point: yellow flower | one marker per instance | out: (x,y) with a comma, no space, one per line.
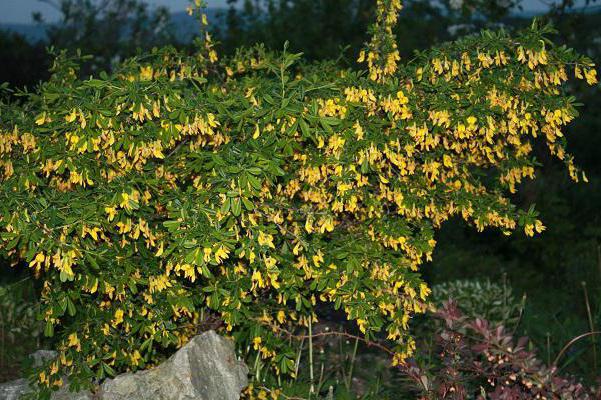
(257,280)
(361,57)
(281,317)
(447,161)
(270,262)
(135,358)
(539,227)
(358,130)
(124,199)
(118,318)
(71,116)
(424,291)
(157,284)
(361,322)
(398,359)
(207,254)
(309,224)
(41,119)
(37,261)
(591,76)
(221,253)
(43,378)
(159,251)
(146,73)
(73,341)
(266,240)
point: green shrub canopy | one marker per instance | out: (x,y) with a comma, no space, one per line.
(182,189)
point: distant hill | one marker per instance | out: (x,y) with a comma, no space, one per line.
(185,27)
(32,32)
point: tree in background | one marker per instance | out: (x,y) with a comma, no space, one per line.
(21,63)
(320,28)
(111,30)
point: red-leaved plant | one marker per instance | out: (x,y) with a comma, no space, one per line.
(474,360)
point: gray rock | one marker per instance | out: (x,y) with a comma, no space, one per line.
(65,394)
(206,368)
(40,357)
(14,390)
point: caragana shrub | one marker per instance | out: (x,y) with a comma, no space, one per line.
(181,189)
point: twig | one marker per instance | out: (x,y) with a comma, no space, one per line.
(590,324)
(177,147)
(298,358)
(369,343)
(350,372)
(571,342)
(312,388)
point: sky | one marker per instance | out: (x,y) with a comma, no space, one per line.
(19,11)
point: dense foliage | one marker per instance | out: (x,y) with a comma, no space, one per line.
(181,190)
(485,300)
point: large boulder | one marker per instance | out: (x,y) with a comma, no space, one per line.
(206,368)
(13,390)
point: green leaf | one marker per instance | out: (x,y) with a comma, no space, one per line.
(49,329)
(172,225)
(71,307)
(225,207)
(236,206)
(109,370)
(304,128)
(248,204)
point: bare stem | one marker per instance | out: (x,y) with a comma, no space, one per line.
(350,371)
(571,342)
(312,388)
(590,324)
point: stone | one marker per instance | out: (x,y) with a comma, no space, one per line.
(14,390)
(65,394)
(40,357)
(206,368)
